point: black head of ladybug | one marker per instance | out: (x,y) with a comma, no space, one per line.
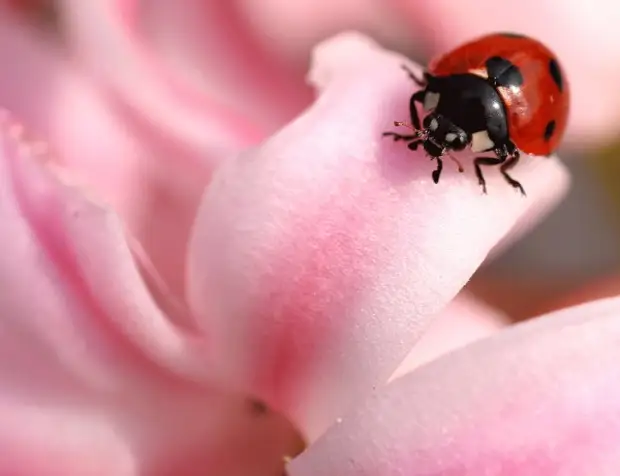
(441,135)
(462,110)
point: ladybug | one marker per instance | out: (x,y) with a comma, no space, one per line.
(502,93)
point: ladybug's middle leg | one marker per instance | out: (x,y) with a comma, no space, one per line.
(500,159)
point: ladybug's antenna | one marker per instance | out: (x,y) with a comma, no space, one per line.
(404,124)
(421,133)
(408,125)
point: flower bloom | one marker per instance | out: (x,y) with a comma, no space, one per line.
(166,262)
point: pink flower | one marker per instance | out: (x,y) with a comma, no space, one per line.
(162,269)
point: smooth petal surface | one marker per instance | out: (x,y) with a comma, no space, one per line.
(318,258)
(189,56)
(464,320)
(575,30)
(539,399)
(152,179)
(292,29)
(94,379)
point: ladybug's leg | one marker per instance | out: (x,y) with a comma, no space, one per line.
(414,145)
(420,82)
(500,159)
(507,165)
(398,136)
(437,171)
(417,97)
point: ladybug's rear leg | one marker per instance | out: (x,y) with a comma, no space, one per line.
(419,81)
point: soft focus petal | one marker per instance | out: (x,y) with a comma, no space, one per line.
(94,380)
(465,320)
(540,399)
(318,258)
(584,35)
(601,287)
(152,180)
(292,29)
(188,55)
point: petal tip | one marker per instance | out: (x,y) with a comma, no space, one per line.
(339,52)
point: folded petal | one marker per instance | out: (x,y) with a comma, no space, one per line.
(464,320)
(152,178)
(318,258)
(540,398)
(94,378)
(189,55)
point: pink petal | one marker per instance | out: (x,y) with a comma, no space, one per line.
(318,258)
(465,320)
(292,29)
(590,66)
(190,55)
(153,180)
(539,399)
(94,379)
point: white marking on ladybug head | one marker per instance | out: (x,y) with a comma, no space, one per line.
(480,141)
(431,100)
(433,125)
(450,136)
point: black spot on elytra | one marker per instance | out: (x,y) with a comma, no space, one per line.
(549,130)
(508,34)
(556,74)
(502,72)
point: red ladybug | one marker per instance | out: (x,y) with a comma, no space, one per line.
(501,93)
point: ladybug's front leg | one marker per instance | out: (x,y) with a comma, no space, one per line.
(437,172)
(486,161)
(417,97)
(398,136)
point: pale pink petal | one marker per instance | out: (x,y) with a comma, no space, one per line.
(292,29)
(94,379)
(153,180)
(318,258)
(540,399)
(187,55)
(584,36)
(465,320)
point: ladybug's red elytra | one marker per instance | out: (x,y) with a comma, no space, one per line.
(502,93)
